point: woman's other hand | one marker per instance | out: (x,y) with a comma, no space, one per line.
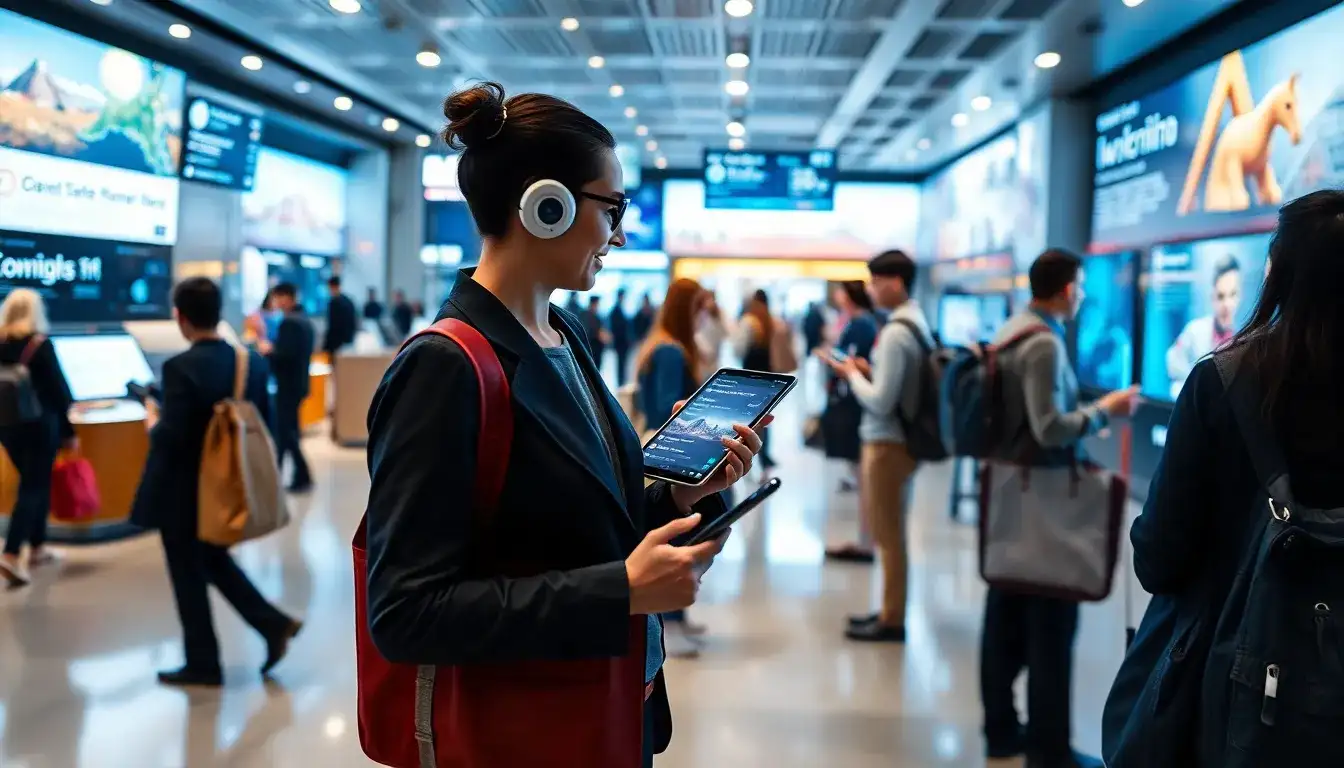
(664,577)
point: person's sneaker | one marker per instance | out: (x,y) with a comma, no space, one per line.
(43,557)
(186,676)
(859,620)
(877,632)
(14,574)
(278,645)
(677,644)
(300,488)
(850,553)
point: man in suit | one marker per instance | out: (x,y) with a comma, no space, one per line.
(373,308)
(595,329)
(290,355)
(341,320)
(618,323)
(193,382)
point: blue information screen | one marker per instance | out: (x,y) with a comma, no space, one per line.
(222,144)
(792,181)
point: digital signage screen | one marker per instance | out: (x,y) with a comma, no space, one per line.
(296,205)
(959,323)
(1198,296)
(1218,152)
(90,137)
(83,280)
(802,181)
(1105,322)
(222,143)
(643,222)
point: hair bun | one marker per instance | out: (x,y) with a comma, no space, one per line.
(475,115)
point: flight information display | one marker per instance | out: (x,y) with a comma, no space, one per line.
(796,181)
(222,144)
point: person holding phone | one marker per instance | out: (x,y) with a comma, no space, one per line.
(545,190)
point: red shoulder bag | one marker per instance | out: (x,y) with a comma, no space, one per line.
(524,714)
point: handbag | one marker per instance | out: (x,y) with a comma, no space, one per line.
(74,489)
(1050,531)
(585,713)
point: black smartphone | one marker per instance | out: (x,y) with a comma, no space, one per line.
(712,529)
(141,392)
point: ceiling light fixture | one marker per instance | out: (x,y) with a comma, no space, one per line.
(961,120)
(641,130)
(345,6)
(981,103)
(651,145)
(1048,60)
(616,91)
(738,8)
(180,31)
(102,2)
(343,103)
(302,86)
(738,60)
(422,141)
(1133,3)
(428,57)
(631,112)
(736,87)
(569,24)
(251,62)
(661,163)
(736,144)
(391,124)
(923,144)
(597,62)
(736,129)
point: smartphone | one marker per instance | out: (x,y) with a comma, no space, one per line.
(689,448)
(708,530)
(839,355)
(141,392)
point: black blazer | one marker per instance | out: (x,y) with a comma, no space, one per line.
(341,323)
(48,381)
(192,383)
(564,509)
(290,357)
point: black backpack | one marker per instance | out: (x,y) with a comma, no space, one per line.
(923,430)
(18,399)
(1274,683)
(971,396)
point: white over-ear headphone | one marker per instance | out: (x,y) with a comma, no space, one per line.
(547,209)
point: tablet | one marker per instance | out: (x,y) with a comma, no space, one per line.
(712,529)
(98,366)
(688,449)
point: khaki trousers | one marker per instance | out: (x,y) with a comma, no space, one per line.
(885,470)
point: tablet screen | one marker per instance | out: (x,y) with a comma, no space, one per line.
(99,367)
(689,447)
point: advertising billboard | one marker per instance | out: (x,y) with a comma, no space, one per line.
(296,205)
(83,280)
(1105,322)
(90,137)
(1217,152)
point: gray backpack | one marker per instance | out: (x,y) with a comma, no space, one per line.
(18,399)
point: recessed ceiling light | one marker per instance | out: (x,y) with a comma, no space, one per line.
(736,87)
(661,162)
(101,2)
(736,144)
(428,57)
(737,8)
(631,111)
(345,6)
(981,103)
(651,145)
(251,62)
(569,24)
(180,31)
(597,62)
(736,129)
(923,144)
(391,124)
(961,120)
(302,86)
(1133,3)
(343,103)
(1048,60)
(616,91)
(738,60)
(422,140)
(641,130)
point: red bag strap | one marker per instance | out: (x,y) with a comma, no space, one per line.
(30,348)
(495,439)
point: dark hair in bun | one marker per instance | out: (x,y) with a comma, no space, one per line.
(507,144)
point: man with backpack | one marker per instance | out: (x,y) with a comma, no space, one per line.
(1039,422)
(888,389)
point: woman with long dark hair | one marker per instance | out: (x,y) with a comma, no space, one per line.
(1282,379)
(548,595)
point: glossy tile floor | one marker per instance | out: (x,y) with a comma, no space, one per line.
(776,686)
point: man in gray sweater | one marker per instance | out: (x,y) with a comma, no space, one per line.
(886,388)
(1044,424)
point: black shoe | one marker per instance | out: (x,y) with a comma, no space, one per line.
(876,632)
(194,677)
(301,487)
(278,645)
(867,618)
(850,553)
(1009,750)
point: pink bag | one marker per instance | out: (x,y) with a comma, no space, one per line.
(74,490)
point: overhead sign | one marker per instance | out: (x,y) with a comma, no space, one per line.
(801,181)
(222,144)
(84,280)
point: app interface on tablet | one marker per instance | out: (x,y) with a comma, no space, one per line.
(692,444)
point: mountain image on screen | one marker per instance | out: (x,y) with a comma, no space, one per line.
(701,428)
(125,122)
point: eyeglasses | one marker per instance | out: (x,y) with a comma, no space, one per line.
(615,214)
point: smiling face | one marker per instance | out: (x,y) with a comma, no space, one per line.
(574,259)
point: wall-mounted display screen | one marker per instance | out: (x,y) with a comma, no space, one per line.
(264,269)
(98,367)
(959,323)
(1105,324)
(790,181)
(438,175)
(1219,151)
(643,222)
(90,137)
(296,204)
(222,143)
(867,219)
(1198,296)
(88,281)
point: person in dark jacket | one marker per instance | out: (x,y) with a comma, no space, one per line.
(342,322)
(193,382)
(373,308)
(402,314)
(596,330)
(574,507)
(618,325)
(642,321)
(1205,507)
(290,356)
(32,446)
